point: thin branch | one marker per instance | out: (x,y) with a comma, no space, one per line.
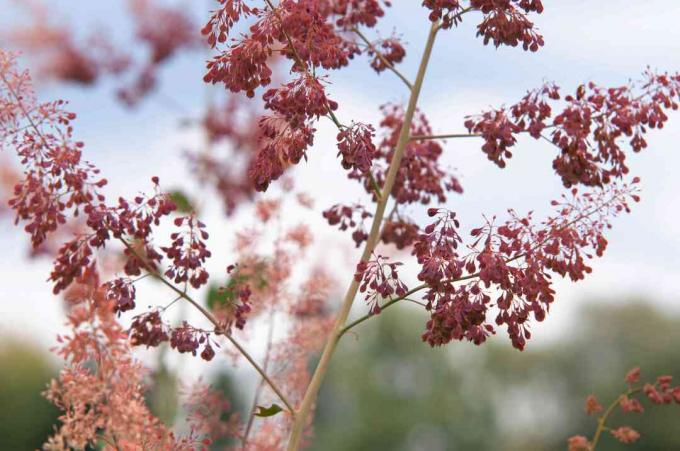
(601,422)
(382,58)
(449,136)
(219,327)
(258,391)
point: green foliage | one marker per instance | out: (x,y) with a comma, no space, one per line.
(394,392)
(226,295)
(182,201)
(162,397)
(268,411)
(26,418)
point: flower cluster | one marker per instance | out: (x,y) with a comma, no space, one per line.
(61,54)
(55,179)
(281,146)
(514,259)
(355,145)
(313,36)
(165,31)
(401,232)
(148,329)
(187,338)
(380,279)
(351,13)
(106,400)
(504,22)
(134,220)
(391,51)
(349,217)
(122,292)
(420,177)
(448,11)
(658,392)
(590,129)
(188,253)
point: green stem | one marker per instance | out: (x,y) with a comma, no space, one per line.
(309,398)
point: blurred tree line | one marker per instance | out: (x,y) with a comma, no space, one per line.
(389,391)
(26,418)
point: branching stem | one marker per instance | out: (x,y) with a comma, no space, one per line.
(382,58)
(309,399)
(219,327)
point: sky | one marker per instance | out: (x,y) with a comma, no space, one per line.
(602,41)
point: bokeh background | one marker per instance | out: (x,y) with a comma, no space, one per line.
(387,390)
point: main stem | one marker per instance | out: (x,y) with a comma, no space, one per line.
(309,399)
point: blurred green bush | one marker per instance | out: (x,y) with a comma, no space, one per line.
(26,418)
(388,391)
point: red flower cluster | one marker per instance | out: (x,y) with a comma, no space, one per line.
(219,25)
(589,129)
(380,279)
(187,339)
(560,245)
(504,21)
(505,24)
(351,13)
(165,31)
(448,11)
(437,249)
(312,35)
(420,177)
(122,293)
(148,329)
(55,180)
(300,100)
(355,144)
(188,253)
(281,146)
(400,232)
(349,217)
(391,50)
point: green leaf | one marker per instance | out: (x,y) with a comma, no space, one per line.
(182,202)
(216,296)
(268,411)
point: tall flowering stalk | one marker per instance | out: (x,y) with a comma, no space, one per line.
(501,276)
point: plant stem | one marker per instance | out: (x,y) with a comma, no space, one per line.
(258,391)
(602,421)
(449,136)
(309,399)
(382,58)
(219,327)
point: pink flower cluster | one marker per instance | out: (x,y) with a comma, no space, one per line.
(658,392)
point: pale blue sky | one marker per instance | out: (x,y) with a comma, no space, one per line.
(601,41)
